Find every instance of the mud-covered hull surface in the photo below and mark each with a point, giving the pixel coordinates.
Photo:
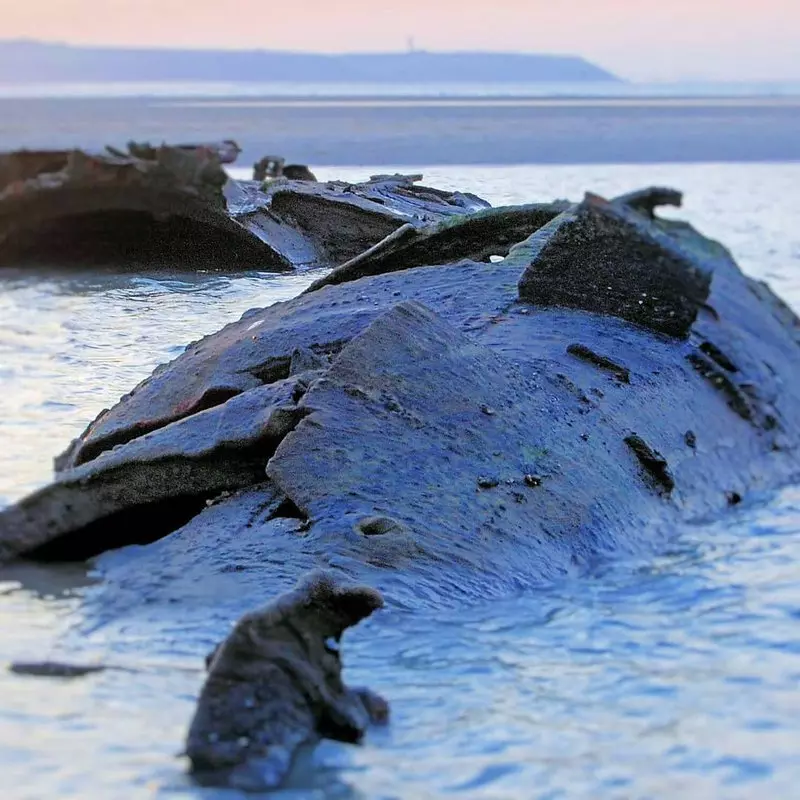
(442, 432)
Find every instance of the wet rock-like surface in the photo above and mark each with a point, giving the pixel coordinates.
(275, 683)
(470, 425)
(326, 224)
(398, 464)
(603, 258)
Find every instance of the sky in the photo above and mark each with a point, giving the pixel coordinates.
(641, 40)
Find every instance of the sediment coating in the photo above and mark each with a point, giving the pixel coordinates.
(389, 463)
(607, 259)
(276, 682)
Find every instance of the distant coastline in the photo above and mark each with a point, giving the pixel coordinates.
(23, 61)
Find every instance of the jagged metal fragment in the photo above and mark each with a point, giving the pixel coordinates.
(276, 682)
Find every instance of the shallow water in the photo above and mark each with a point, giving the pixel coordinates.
(678, 674)
(416, 128)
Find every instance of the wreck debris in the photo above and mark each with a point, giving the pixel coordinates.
(652, 461)
(716, 355)
(160, 205)
(298, 172)
(88, 207)
(355, 419)
(601, 257)
(54, 669)
(646, 201)
(24, 165)
(734, 498)
(276, 683)
(148, 487)
(340, 220)
(737, 399)
(273, 167)
(581, 351)
(226, 151)
(475, 236)
(268, 167)
(260, 348)
(446, 486)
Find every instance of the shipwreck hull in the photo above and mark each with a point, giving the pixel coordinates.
(150, 207)
(446, 433)
(135, 228)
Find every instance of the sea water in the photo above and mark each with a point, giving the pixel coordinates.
(672, 675)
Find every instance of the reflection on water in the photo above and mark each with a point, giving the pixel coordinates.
(674, 675)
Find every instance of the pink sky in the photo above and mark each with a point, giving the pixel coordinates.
(638, 39)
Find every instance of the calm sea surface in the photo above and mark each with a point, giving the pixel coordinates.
(295, 89)
(410, 125)
(678, 675)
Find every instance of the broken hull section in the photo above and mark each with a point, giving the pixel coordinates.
(442, 432)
